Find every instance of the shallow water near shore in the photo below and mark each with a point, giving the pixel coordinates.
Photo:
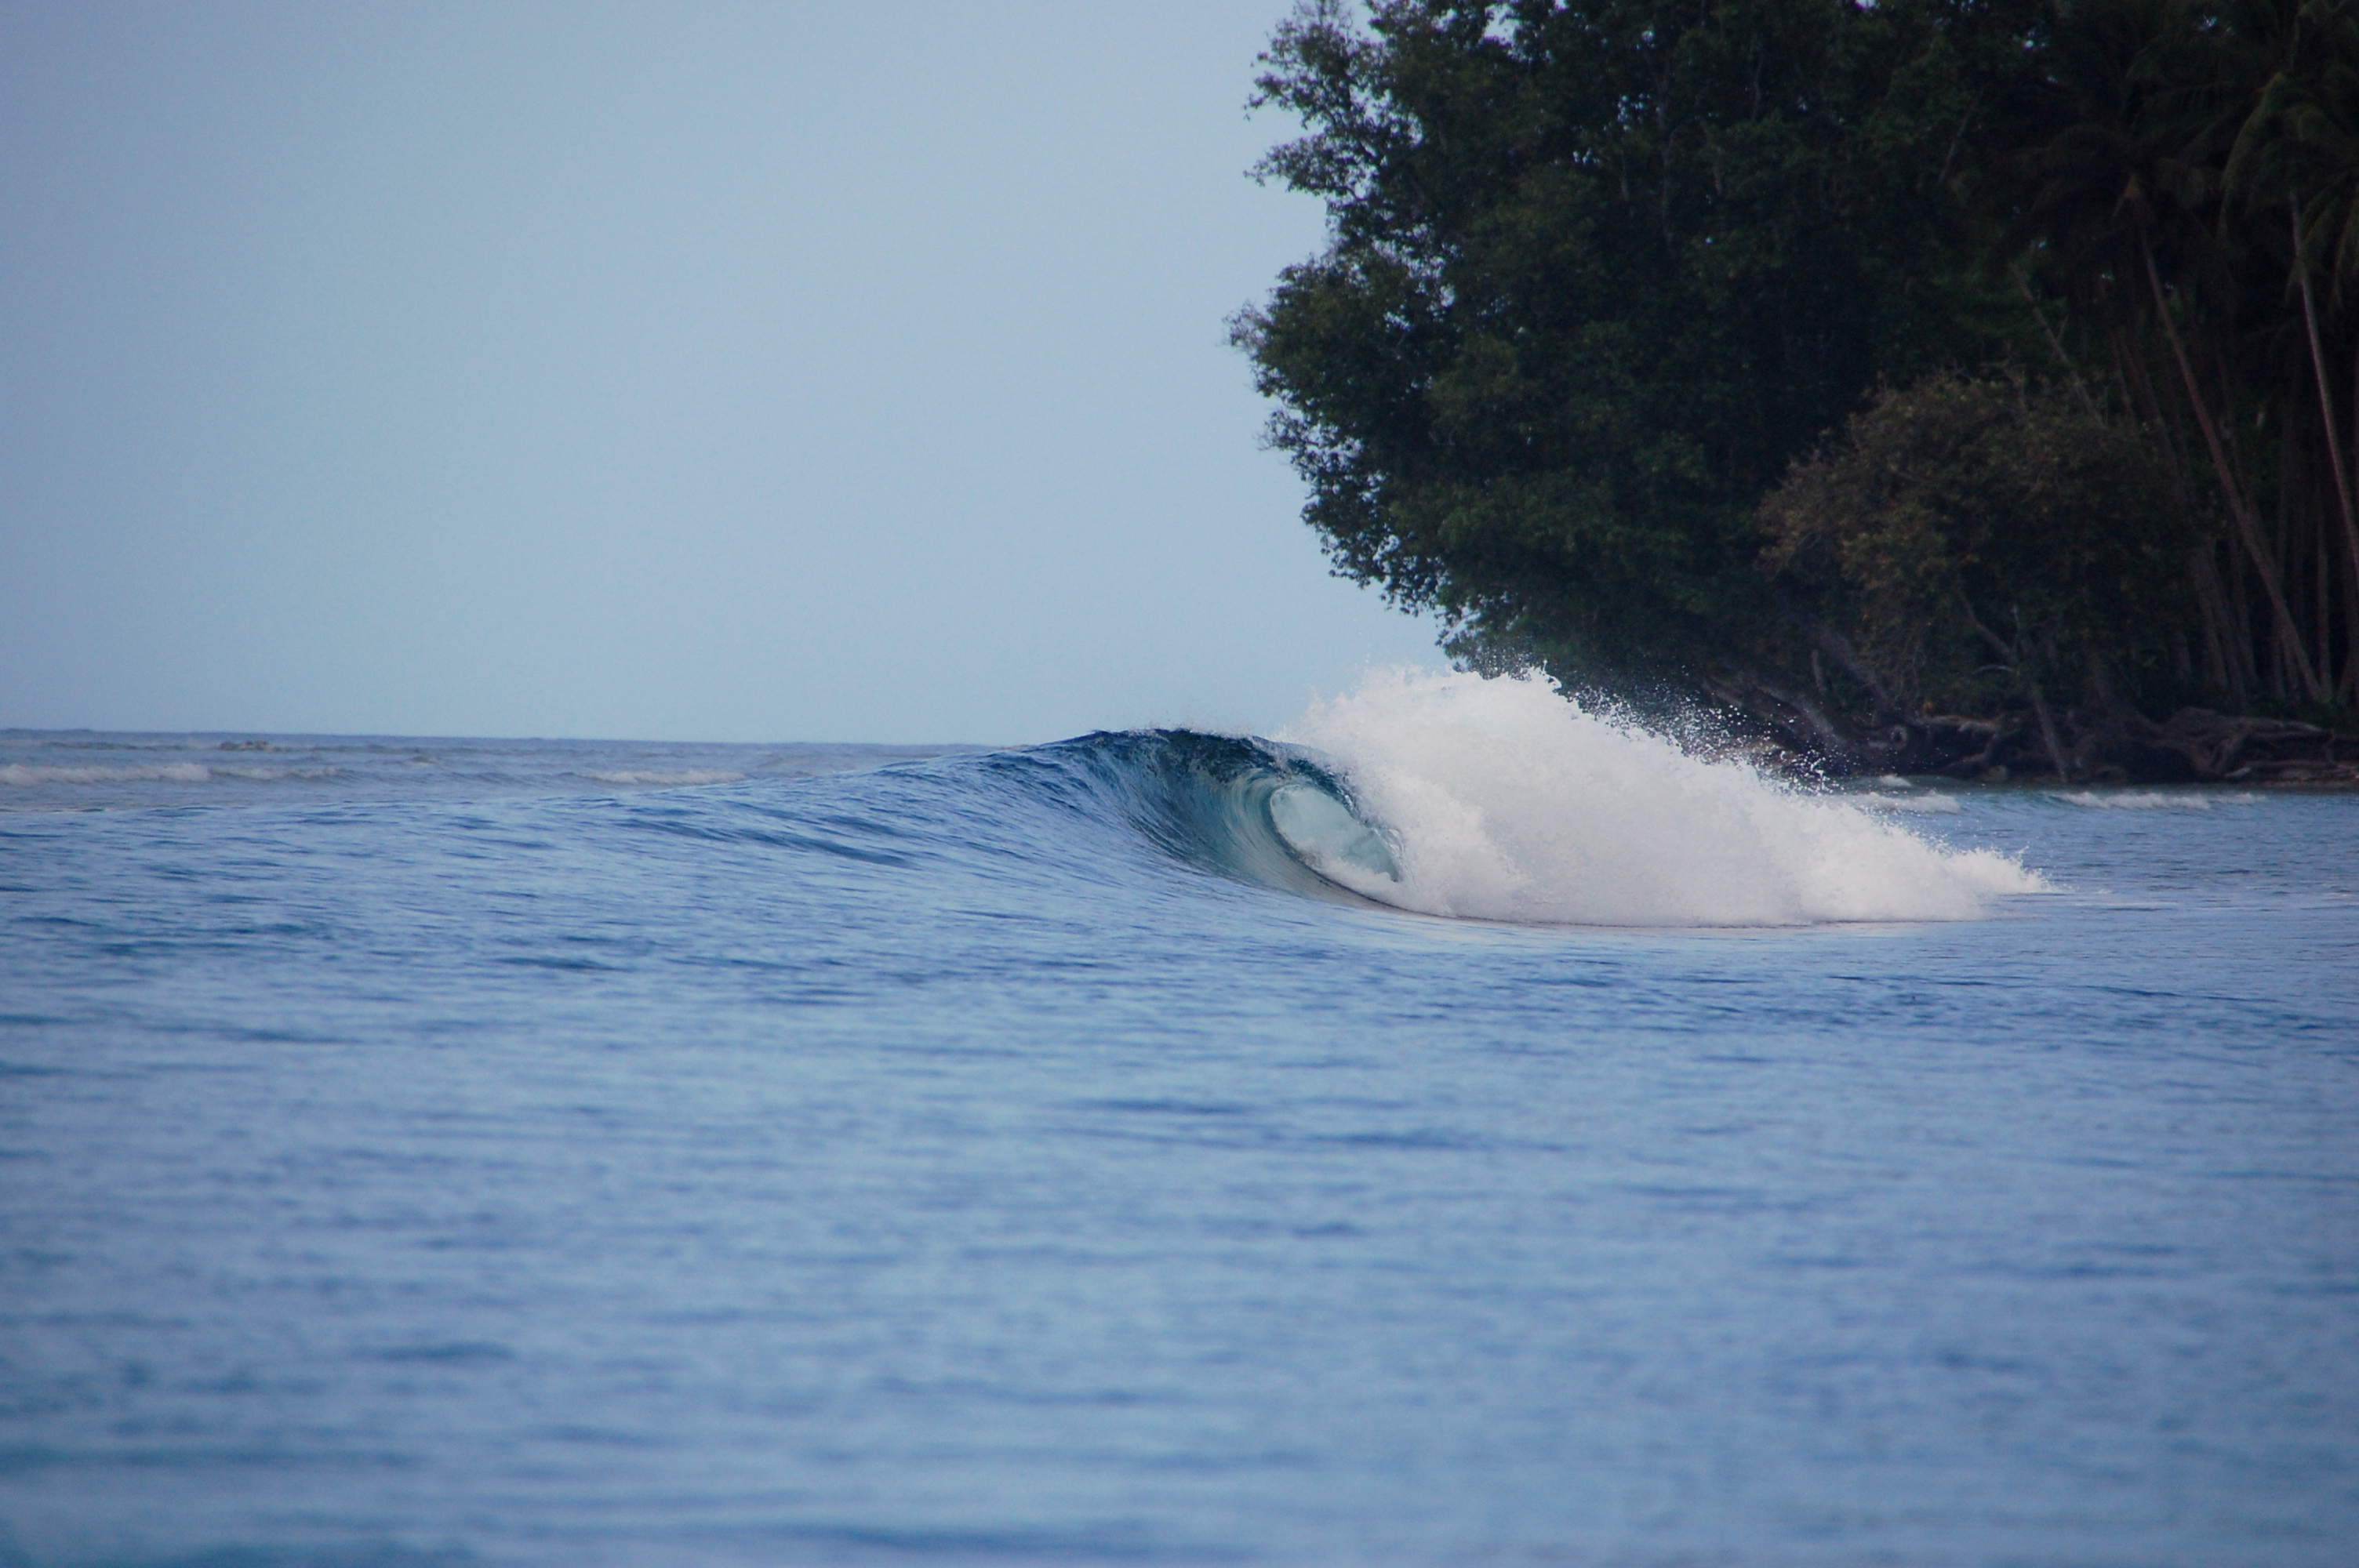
(1513, 1145)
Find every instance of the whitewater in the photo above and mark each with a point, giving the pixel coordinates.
(1509, 803)
(1463, 1126)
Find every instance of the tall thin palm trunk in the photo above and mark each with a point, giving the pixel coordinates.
(2272, 583)
(2334, 456)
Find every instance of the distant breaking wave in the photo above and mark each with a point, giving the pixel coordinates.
(2151, 800)
(170, 773)
(1927, 805)
(656, 779)
(28, 774)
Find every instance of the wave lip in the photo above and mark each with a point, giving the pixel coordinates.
(1501, 800)
(1248, 810)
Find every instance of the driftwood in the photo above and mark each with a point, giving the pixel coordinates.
(2218, 746)
(2194, 745)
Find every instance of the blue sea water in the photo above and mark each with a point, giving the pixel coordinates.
(515, 1153)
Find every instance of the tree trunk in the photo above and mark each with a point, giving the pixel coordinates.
(2326, 408)
(2325, 572)
(2011, 654)
(2080, 388)
(2223, 638)
(2047, 730)
(2351, 603)
(2137, 392)
(2248, 526)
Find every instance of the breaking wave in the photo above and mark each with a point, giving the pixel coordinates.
(1498, 799)
(1442, 795)
(27, 774)
(1926, 805)
(645, 778)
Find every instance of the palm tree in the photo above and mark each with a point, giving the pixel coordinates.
(2119, 204)
(2299, 148)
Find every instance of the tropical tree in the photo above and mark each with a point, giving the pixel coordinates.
(1597, 273)
(1619, 296)
(1966, 530)
(2300, 146)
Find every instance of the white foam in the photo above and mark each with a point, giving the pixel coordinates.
(2150, 800)
(266, 775)
(1928, 804)
(661, 780)
(1505, 802)
(170, 773)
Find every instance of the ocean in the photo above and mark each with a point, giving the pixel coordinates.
(1460, 1129)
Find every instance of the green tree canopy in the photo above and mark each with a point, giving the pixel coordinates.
(1598, 273)
(1602, 274)
(1967, 532)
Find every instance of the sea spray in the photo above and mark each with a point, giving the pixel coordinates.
(1501, 800)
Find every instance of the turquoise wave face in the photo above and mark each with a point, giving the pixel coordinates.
(1256, 810)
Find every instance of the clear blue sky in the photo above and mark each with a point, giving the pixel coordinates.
(799, 370)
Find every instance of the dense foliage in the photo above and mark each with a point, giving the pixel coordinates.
(1968, 535)
(1697, 345)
